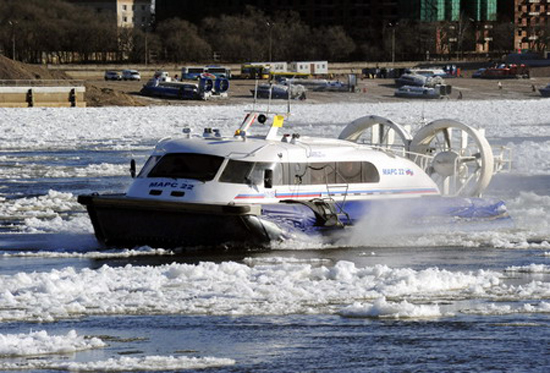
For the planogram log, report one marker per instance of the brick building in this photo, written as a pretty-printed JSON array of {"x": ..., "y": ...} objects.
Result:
[{"x": 532, "y": 21}]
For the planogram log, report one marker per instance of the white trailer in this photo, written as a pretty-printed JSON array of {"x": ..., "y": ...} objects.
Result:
[
  {"x": 309, "y": 67},
  {"x": 278, "y": 67}
]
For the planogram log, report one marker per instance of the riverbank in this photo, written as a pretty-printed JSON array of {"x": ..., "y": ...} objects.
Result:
[
  {"x": 126, "y": 93},
  {"x": 101, "y": 93}
]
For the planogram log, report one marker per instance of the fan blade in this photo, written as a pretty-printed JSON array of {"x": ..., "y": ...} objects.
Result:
[{"x": 447, "y": 134}]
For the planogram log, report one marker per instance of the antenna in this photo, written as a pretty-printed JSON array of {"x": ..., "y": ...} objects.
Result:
[
  {"x": 288, "y": 98},
  {"x": 255, "y": 95},
  {"x": 269, "y": 97}
]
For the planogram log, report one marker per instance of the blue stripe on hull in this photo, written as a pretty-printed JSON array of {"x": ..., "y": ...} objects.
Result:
[{"x": 296, "y": 217}]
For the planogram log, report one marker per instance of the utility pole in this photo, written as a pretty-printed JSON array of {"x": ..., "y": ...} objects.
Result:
[
  {"x": 392, "y": 26},
  {"x": 270, "y": 26},
  {"x": 146, "y": 48},
  {"x": 12, "y": 24},
  {"x": 393, "y": 45},
  {"x": 146, "y": 54}
]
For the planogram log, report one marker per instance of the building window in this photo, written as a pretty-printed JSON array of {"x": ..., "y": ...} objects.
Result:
[
  {"x": 124, "y": 7},
  {"x": 124, "y": 19}
]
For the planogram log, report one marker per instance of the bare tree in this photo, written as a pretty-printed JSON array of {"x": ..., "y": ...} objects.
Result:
[
  {"x": 240, "y": 37},
  {"x": 503, "y": 37},
  {"x": 180, "y": 41},
  {"x": 39, "y": 30}
]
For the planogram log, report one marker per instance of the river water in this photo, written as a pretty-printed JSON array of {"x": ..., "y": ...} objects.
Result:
[{"x": 432, "y": 300}]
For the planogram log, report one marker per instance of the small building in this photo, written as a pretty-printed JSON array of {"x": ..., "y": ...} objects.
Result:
[
  {"x": 126, "y": 13},
  {"x": 309, "y": 67}
]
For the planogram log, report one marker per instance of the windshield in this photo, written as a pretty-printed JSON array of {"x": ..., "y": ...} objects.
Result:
[
  {"x": 187, "y": 166},
  {"x": 151, "y": 162}
]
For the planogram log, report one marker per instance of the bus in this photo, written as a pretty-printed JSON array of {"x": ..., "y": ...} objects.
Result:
[
  {"x": 253, "y": 71},
  {"x": 192, "y": 72},
  {"x": 219, "y": 71},
  {"x": 195, "y": 72}
]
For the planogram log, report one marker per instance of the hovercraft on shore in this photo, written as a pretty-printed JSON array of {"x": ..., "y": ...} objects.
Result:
[{"x": 214, "y": 190}]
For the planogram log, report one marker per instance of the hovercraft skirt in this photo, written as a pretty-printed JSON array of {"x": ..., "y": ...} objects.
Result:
[{"x": 120, "y": 221}]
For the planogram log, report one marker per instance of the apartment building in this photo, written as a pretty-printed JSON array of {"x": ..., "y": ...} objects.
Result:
[
  {"x": 480, "y": 10},
  {"x": 356, "y": 15},
  {"x": 532, "y": 21},
  {"x": 126, "y": 13},
  {"x": 430, "y": 10}
]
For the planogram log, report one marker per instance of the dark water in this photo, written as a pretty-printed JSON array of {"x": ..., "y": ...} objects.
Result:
[{"x": 328, "y": 343}]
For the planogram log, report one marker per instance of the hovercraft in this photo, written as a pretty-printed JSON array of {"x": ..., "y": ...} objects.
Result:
[{"x": 204, "y": 190}]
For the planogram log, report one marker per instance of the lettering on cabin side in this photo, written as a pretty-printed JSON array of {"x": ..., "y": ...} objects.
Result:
[
  {"x": 171, "y": 184},
  {"x": 397, "y": 172},
  {"x": 316, "y": 154}
]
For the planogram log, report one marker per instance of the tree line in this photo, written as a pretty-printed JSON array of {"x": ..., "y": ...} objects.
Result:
[{"x": 53, "y": 31}]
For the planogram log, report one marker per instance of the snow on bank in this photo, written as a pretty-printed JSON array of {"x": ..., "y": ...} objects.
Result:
[
  {"x": 237, "y": 289},
  {"x": 41, "y": 343},
  {"x": 125, "y": 364},
  {"x": 123, "y": 127}
]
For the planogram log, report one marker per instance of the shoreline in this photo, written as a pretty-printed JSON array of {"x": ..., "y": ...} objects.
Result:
[{"x": 126, "y": 93}]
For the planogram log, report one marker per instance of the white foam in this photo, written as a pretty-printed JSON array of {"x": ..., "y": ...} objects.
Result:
[
  {"x": 125, "y": 364},
  {"x": 531, "y": 158},
  {"x": 381, "y": 308},
  {"x": 278, "y": 260},
  {"x": 41, "y": 343},
  {"x": 531, "y": 268},
  {"x": 105, "y": 254},
  {"x": 508, "y": 309}
]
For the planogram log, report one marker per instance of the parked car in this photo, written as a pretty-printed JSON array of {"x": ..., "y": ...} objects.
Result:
[
  {"x": 112, "y": 75},
  {"x": 131, "y": 75},
  {"x": 479, "y": 73},
  {"x": 162, "y": 76}
]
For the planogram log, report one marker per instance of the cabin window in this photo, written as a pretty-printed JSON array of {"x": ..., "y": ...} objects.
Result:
[
  {"x": 239, "y": 172},
  {"x": 298, "y": 174},
  {"x": 370, "y": 173},
  {"x": 322, "y": 173},
  {"x": 151, "y": 162},
  {"x": 329, "y": 173},
  {"x": 187, "y": 166},
  {"x": 349, "y": 172},
  {"x": 268, "y": 178}
]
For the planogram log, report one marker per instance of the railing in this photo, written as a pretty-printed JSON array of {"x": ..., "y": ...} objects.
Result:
[{"x": 41, "y": 83}]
